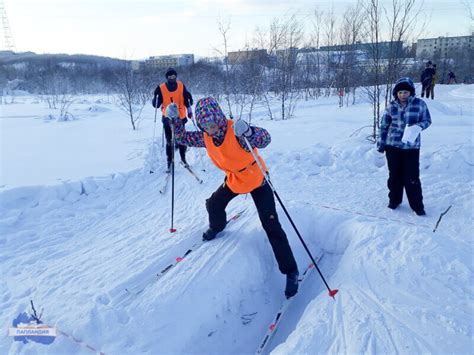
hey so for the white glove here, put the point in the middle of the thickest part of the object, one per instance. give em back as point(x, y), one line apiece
point(242, 128)
point(172, 111)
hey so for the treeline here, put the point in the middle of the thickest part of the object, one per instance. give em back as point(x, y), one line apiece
point(36, 74)
point(359, 52)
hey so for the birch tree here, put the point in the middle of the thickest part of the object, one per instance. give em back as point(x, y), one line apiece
point(133, 93)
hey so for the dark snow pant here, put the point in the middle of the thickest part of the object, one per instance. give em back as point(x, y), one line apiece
point(430, 92)
point(169, 145)
point(265, 203)
point(404, 172)
point(426, 89)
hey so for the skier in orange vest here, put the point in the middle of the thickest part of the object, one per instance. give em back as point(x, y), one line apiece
point(225, 144)
point(173, 90)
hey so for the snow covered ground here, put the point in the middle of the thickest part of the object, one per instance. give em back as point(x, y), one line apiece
point(81, 219)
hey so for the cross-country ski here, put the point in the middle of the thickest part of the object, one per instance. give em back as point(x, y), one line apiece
point(191, 171)
point(138, 287)
point(165, 183)
point(280, 314)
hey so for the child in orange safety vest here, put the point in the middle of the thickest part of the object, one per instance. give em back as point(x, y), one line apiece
point(226, 147)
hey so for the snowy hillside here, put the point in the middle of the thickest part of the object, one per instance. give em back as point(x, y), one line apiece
point(81, 220)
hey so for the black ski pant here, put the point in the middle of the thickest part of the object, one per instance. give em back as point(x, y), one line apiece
point(427, 89)
point(404, 172)
point(265, 203)
point(430, 92)
point(169, 144)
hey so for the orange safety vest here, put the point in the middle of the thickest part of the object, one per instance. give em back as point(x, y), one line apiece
point(241, 169)
point(177, 96)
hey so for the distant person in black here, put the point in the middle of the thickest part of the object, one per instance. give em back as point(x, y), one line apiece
point(427, 79)
point(174, 91)
point(434, 80)
point(451, 77)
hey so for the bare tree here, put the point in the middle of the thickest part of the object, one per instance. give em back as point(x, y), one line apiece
point(373, 69)
point(468, 7)
point(8, 87)
point(270, 40)
point(310, 59)
point(401, 19)
point(204, 77)
point(317, 23)
point(386, 61)
point(224, 28)
point(242, 78)
point(288, 36)
point(56, 91)
point(249, 78)
point(256, 84)
point(350, 35)
point(330, 40)
point(66, 99)
point(133, 93)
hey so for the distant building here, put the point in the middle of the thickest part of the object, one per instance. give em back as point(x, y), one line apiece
point(444, 47)
point(386, 49)
point(240, 57)
point(291, 52)
point(307, 50)
point(167, 61)
point(305, 57)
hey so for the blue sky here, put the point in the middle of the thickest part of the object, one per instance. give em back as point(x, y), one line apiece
point(135, 29)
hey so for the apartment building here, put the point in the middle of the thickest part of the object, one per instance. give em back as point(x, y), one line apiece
point(443, 47)
point(240, 57)
point(167, 61)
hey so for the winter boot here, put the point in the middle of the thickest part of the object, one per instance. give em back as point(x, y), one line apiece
point(420, 212)
point(185, 163)
point(210, 234)
point(168, 169)
point(392, 205)
point(291, 284)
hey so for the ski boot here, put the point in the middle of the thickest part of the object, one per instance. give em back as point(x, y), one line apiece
point(210, 234)
point(291, 284)
point(392, 205)
point(420, 212)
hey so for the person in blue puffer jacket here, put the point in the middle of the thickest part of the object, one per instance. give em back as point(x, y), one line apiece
point(403, 157)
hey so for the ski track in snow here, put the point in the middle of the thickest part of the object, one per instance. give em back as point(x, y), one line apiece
point(73, 249)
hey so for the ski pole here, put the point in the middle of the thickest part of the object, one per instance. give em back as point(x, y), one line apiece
point(172, 230)
point(153, 141)
point(331, 293)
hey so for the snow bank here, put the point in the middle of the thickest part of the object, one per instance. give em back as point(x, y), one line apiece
point(73, 245)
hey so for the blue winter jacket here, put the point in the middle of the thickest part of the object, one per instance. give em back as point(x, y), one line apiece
point(396, 117)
